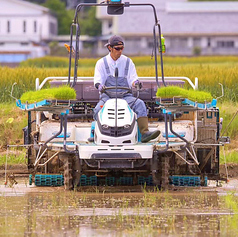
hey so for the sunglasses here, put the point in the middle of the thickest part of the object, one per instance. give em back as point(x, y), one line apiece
point(118, 48)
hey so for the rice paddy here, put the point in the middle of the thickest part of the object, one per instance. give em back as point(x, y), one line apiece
point(144, 213)
point(210, 72)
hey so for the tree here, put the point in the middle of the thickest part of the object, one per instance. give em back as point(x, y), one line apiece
point(63, 16)
point(89, 24)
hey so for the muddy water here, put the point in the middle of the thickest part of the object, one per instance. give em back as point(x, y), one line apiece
point(37, 211)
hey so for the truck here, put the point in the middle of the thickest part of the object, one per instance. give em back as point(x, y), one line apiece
point(186, 153)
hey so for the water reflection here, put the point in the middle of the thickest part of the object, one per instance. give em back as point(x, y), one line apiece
point(61, 213)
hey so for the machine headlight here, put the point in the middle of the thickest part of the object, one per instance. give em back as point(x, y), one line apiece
point(127, 126)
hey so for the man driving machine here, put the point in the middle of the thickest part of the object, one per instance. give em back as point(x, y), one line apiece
point(127, 77)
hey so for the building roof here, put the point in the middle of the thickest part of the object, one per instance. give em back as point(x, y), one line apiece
point(19, 7)
point(178, 17)
point(202, 7)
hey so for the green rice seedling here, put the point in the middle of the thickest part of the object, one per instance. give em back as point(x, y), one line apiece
point(172, 91)
point(60, 93)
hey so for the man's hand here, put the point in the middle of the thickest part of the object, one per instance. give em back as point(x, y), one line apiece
point(101, 88)
point(139, 84)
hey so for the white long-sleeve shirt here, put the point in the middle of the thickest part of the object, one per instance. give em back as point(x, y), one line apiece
point(100, 74)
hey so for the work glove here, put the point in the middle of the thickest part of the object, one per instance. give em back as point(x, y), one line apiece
point(100, 87)
point(139, 84)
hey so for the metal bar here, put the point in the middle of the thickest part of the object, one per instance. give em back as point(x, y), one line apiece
point(194, 158)
point(70, 52)
point(65, 79)
point(58, 133)
point(202, 144)
point(166, 135)
point(49, 159)
point(76, 57)
point(207, 158)
point(65, 135)
point(183, 158)
point(171, 129)
point(38, 158)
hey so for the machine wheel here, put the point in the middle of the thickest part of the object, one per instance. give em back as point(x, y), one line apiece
point(76, 171)
point(156, 176)
point(68, 178)
point(160, 171)
point(164, 172)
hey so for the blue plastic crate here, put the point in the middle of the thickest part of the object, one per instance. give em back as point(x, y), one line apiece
point(145, 180)
point(192, 181)
point(125, 181)
point(48, 180)
point(110, 181)
point(88, 181)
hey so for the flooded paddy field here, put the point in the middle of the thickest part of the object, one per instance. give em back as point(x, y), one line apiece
point(118, 211)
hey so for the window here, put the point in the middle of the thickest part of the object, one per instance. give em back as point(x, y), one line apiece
point(197, 42)
point(208, 42)
point(225, 44)
point(109, 23)
point(35, 26)
point(24, 26)
point(53, 29)
point(8, 27)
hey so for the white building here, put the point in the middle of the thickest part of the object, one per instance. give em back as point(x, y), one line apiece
point(24, 29)
point(211, 27)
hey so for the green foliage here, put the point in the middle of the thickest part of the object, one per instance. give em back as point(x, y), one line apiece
point(63, 16)
point(171, 91)
point(60, 93)
point(196, 51)
point(89, 25)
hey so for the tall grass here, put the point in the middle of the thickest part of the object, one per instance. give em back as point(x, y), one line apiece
point(12, 120)
point(210, 71)
point(50, 61)
point(227, 112)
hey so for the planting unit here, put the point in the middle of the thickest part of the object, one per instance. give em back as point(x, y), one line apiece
point(185, 153)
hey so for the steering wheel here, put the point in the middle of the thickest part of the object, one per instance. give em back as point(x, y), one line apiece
point(113, 94)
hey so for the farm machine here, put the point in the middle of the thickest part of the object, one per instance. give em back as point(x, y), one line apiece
point(59, 153)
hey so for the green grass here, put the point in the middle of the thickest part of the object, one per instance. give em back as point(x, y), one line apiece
point(60, 93)
point(13, 158)
point(53, 62)
point(12, 121)
point(210, 71)
point(229, 157)
point(227, 112)
point(171, 91)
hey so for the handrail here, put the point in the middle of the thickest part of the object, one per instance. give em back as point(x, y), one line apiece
point(39, 86)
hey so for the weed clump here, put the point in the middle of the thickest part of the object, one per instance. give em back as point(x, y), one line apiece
point(172, 91)
point(57, 93)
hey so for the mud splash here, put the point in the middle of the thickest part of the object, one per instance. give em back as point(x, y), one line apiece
point(34, 211)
